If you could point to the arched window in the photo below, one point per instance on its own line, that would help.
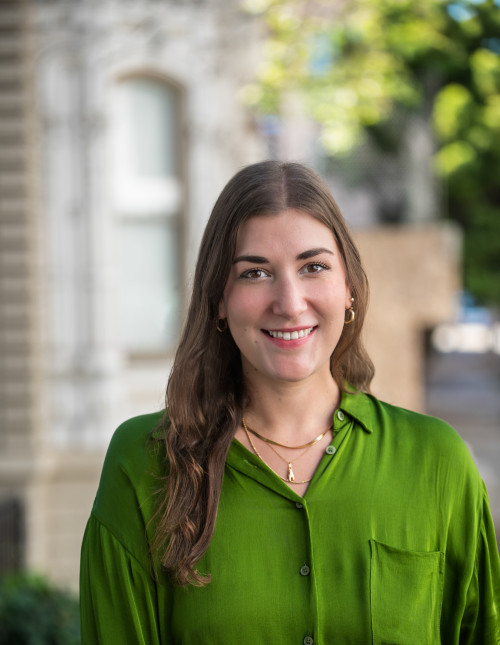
(147, 200)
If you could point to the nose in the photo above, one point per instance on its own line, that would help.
(288, 298)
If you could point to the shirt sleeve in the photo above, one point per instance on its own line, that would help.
(481, 624)
(118, 598)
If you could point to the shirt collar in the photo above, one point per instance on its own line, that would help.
(359, 406)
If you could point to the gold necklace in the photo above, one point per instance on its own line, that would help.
(291, 476)
(282, 445)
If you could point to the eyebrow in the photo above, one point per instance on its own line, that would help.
(312, 253)
(305, 255)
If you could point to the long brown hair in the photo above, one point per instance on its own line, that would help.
(205, 393)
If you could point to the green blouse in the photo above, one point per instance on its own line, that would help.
(392, 543)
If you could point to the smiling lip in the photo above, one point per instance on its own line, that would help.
(289, 334)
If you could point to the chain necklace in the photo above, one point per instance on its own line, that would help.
(291, 477)
(282, 445)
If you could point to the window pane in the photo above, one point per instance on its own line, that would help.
(149, 307)
(145, 159)
(145, 120)
(147, 202)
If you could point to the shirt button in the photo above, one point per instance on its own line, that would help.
(340, 415)
(304, 570)
(299, 505)
(330, 450)
(308, 640)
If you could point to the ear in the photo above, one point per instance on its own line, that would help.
(222, 309)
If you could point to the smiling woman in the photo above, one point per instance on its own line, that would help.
(275, 499)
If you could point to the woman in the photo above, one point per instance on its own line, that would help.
(276, 500)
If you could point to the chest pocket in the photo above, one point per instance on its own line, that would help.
(406, 589)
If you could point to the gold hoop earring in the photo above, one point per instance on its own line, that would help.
(221, 329)
(351, 312)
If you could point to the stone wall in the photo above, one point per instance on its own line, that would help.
(414, 274)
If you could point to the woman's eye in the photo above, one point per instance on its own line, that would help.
(254, 274)
(315, 267)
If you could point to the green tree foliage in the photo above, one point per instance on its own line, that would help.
(363, 67)
(33, 613)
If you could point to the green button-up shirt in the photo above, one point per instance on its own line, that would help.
(392, 543)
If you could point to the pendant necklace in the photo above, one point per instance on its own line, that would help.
(291, 476)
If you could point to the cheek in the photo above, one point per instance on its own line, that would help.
(332, 299)
(242, 305)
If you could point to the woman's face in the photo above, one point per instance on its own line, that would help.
(285, 298)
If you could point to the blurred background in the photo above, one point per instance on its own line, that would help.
(120, 122)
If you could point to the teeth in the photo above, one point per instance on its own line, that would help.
(291, 335)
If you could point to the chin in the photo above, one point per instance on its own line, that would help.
(293, 376)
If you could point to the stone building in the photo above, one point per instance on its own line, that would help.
(119, 124)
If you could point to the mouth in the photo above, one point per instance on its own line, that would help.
(289, 335)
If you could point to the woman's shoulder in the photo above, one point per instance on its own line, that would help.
(411, 419)
(419, 432)
(133, 465)
(422, 426)
(133, 441)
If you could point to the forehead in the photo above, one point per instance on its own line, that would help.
(288, 228)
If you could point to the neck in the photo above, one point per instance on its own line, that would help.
(292, 412)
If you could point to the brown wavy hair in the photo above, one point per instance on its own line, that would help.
(206, 392)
